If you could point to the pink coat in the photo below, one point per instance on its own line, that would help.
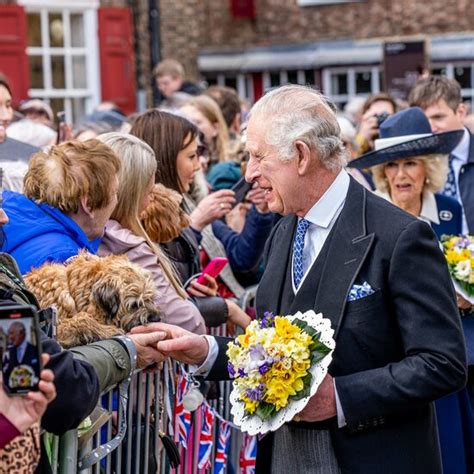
(119, 240)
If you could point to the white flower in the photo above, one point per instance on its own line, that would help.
(463, 270)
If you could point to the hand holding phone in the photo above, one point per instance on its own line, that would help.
(241, 188)
(20, 349)
(213, 268)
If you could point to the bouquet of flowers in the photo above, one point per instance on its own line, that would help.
(459, 253)
(277, 365)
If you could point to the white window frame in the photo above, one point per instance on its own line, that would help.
(89, 51)
(467, 94)
(351, 82)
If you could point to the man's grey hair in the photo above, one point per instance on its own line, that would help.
(299, 113)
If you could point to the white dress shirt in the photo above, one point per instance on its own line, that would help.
(460, 156)
(322, 216)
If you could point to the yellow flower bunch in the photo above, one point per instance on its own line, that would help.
(459, 253)
(270, 363)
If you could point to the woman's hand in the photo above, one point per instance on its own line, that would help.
(200, 290)
(237, 315)
(212, 207)
(235, 219)
(26, 410)
(257, 196)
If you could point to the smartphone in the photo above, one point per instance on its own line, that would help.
(241, 188)
(60, 119)
(20, 349)
(213, 268)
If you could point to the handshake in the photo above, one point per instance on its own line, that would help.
(157, 341)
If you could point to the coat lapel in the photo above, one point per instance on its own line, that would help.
(348, 250)
(272, 284)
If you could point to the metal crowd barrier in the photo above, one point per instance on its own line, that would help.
(140, 451)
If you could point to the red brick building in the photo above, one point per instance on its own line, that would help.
(75, 53)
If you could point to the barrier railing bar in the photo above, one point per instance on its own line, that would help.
(129, 424)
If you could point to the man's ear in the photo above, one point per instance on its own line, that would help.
(85, 207)
(303, 157)
(461, 111)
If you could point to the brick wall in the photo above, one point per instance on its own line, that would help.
(190, 25)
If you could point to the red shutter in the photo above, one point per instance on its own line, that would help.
(257, 81)
(243, 9)
(13, 57)
(117, 66)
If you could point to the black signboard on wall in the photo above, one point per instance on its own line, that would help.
(403, 62)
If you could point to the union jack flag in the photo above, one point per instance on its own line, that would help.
(182, 417)
(248, 454)
(205, 438)
(222, 448)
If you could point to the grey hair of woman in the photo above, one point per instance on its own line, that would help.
(298, 113)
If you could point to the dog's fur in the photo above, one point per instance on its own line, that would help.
(95, 297)
(164, 218)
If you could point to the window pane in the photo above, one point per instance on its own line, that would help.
(363, 84)
(77, 30)
(34, 29)
(211, 81)
(274, 79)
(339, 84)
(79, 72)
(463, 76)
(309, 77)
(36, 72)
(292, 77)
(57, 69)
(56, 30)
(57, 104)
(439, 71)
(231, 82)
(78, 110)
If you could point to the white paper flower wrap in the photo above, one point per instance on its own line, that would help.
(253, 424)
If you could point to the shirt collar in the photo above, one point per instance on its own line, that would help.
(461, 152)
(324, 210)
(429, 209)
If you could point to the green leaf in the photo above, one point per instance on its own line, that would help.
(265, 411)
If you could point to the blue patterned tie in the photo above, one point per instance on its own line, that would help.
(298, 245)
(450, 186)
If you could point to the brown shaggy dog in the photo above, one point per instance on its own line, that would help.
(164, 219)
(95, 297)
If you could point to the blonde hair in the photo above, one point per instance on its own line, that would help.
(168, 67)
(67, 172)
(211, 110)
(138, 167)
(436, 172)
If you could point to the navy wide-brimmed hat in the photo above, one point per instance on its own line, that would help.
(406, 134)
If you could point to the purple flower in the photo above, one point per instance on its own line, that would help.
(268, 320)
(230, 369)
(242, 372)
(265, 367)
(255, 394)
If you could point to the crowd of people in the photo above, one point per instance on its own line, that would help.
(336, 198)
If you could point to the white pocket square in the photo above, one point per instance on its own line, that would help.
(360, 291)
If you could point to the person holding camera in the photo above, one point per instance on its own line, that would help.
(376, 109)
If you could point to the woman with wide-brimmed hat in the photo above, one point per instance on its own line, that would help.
(409, 166)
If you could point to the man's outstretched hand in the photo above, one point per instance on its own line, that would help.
(180, 344)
